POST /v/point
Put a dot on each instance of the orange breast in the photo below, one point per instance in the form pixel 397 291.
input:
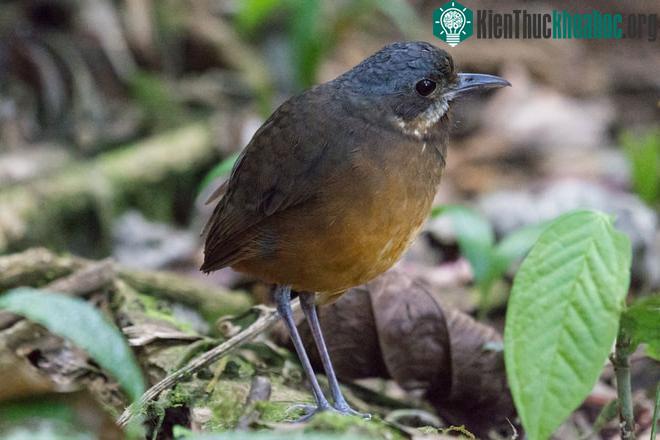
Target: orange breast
pixel 355 230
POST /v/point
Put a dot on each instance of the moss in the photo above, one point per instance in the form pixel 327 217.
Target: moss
pixel 278 408
pixel 281 393
pixel 238 368
pixel 186 393
pixel 159 310
pixel 453 431
pixel 140 307
pixel 226 403
pixel 337 423
pixel 274 412
pixel 211 301
pixel 460 430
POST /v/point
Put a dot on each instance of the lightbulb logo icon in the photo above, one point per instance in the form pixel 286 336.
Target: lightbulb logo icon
pixel 452 23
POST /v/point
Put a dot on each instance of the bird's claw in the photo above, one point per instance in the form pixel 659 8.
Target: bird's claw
pixel 346 410
pixel 310 410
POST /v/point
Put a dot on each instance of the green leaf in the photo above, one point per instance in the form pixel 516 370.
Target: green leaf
pixel 76 320
pixel 563 317
pixel 644 156
pixel 475 238
pixel 515 245
pixel 43 408
pixel 309 38
pixel 642 322
pixel 254 13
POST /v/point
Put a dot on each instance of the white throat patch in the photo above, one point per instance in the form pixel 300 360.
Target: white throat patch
pixel 419 127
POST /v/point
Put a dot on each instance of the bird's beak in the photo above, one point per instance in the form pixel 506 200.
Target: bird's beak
pixel 470 82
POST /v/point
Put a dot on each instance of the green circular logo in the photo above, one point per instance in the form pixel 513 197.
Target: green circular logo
pixel 452 23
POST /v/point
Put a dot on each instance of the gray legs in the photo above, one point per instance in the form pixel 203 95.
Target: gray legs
pixel 283 298
pixel 309 309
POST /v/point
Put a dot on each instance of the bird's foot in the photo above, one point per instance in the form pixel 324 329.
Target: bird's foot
pixel 310 411
pixel 345 409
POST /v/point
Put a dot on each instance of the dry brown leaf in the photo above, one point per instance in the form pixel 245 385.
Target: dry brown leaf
pixel 395 328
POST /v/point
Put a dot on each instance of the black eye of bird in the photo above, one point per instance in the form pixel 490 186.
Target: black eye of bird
pixel 425 87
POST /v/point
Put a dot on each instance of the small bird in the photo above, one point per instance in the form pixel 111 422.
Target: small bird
pixel 335 185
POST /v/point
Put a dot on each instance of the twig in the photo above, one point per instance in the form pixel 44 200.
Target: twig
pixel 90 278
pixel 268 317
pixel 33 267
pixel 514 431
pixel 621 363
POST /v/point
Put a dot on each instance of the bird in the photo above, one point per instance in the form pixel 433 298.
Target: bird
pixel 335 185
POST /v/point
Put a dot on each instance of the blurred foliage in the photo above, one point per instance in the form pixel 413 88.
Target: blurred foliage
pixel 83 324
pixel 563 315
pixel 183 433
pixel 62 416
pixel 314 29
pixel 476 239
pixel 155 98
pixel 17 412
pixel 52 417
pixel 644 156
pixel 641 321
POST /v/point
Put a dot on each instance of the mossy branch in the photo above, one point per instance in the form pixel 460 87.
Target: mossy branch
pixel 38 267
pixel 129 176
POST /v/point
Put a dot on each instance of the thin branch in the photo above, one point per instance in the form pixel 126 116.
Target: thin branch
pixel 268 317
pixel 621 363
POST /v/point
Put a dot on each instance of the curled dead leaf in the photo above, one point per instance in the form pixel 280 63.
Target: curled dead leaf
pixel 394 327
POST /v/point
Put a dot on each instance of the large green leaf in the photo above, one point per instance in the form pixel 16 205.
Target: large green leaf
pixel 84 325
pixel 563 317
pixel 641 321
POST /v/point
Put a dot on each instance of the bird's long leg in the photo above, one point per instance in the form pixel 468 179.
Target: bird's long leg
pixel 309 309
pixel 283 299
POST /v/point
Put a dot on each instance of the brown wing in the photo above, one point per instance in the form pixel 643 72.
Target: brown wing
pixel 279 168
